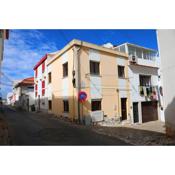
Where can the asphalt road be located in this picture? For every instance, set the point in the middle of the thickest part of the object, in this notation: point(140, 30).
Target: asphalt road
point(41, 129)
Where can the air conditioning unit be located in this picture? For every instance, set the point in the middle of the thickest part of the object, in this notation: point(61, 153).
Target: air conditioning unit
point(133, 58)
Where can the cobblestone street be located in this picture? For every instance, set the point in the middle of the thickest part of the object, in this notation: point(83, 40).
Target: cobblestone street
point(43, 129)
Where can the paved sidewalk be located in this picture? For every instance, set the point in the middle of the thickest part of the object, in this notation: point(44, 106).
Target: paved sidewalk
point(155, 126)
point(150, 133)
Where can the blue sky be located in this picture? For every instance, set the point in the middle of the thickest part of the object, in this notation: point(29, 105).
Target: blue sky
point(25, 47)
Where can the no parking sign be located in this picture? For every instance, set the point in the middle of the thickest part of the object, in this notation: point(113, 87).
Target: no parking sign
point(82, 96)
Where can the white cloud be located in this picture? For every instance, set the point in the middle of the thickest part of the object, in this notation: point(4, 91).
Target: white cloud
point(23, 50)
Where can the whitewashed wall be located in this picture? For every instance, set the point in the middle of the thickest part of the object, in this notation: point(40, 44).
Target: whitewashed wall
point(166, 42)
point(43, 99)
point(30, 94)
point(39, 78)
point(65, 82)
point(134, 72)
point(145, 62)
point(48, 86)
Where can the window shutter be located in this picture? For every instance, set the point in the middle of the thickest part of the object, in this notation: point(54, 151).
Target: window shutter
point(43, 84)
point(43, 88)
point(43, 92)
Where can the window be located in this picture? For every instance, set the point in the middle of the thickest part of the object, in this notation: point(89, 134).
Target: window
point(50, 104)
point(43, 84)
point(121, 71)
point(122, 49)
point(139, 53)
point(96, 105)
point(132, 50)
point(153, 56)
point(146, 55)
point(145, 80)
point(65, 69)
point(30, 87)
point(66, 105)
point(49, 77)
point(94, 68)
point(43, 67)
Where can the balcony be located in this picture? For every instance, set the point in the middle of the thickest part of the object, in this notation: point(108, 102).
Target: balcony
point(149, 92)
point(143, 56)
point(147, 62)
point(134, 60)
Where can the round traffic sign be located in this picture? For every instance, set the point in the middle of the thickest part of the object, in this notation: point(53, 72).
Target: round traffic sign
point(82, 96)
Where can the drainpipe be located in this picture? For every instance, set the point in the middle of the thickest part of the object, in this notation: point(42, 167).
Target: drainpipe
point(77, 77)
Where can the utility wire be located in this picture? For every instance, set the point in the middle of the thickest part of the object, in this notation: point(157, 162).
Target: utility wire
point(7, 77)
point(5, 84)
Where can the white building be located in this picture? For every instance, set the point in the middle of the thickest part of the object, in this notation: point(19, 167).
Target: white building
point(16, 92)
point(23, 94)
point(10, 98)
point(42, 89)
point(166, 42)
point(144, 83)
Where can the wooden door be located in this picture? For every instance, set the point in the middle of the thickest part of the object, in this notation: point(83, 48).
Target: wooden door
point(124, 108)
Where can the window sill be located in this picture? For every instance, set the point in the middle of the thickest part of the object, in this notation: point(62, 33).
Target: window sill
point(95, 75)
point(124, 78)
point(65, 77)
point(97, 110)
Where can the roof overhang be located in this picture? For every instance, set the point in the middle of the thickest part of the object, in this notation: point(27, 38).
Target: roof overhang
point(40, 61)
point(137, 46)
point(88, 45)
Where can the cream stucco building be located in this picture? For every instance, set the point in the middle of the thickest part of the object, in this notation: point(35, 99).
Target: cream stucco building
point(100, 72)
